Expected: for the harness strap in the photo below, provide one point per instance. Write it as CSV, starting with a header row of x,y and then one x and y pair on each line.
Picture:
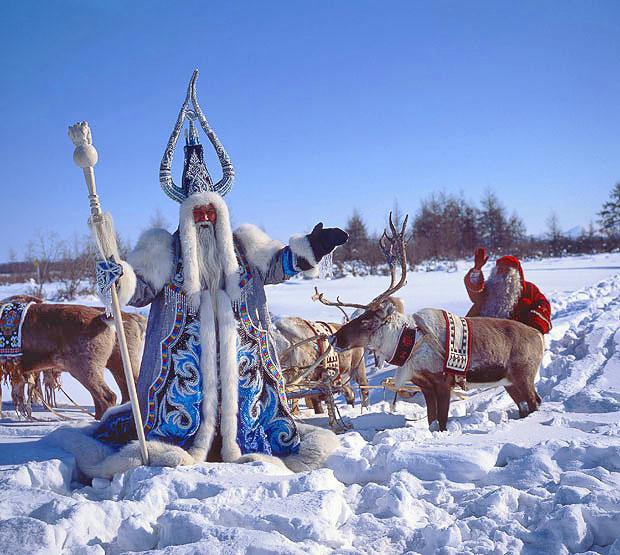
x,y
404,347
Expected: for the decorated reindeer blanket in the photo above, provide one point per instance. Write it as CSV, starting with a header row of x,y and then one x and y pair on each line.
x,y
12,316
458,344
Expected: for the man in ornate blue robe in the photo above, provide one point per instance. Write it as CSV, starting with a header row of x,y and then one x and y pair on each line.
x,y
210,385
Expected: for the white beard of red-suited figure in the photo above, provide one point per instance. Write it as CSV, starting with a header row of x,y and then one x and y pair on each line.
x,y
503,291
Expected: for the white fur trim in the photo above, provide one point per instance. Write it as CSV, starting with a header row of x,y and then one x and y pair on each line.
x,y
316,445
97,460
126,284
258,246
115,410
229,377
261,457
153,257
224,241
300,245
208,366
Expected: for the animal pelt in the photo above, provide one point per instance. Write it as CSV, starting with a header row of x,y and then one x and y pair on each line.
x,y
98,460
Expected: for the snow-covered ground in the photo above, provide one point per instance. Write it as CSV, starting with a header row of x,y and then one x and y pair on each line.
x,y
492,483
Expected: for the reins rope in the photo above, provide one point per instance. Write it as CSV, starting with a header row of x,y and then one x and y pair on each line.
x,y
76,405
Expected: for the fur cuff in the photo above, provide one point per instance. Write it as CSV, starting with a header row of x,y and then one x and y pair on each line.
x,y
300,245
126,284
153,257
259,248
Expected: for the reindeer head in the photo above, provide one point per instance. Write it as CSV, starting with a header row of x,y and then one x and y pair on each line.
x,y
359,332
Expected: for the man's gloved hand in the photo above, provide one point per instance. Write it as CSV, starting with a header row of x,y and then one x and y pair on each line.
x,y
480,258
108,272
325,240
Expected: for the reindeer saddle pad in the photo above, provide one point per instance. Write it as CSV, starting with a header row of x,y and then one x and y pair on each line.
x,y
321,328
12,316
458,344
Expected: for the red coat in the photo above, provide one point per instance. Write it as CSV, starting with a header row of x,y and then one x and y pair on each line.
x,y
532,308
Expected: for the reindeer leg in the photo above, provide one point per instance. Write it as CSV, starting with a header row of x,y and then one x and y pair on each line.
x,y
317,405
92,380
519,398
431,404
443,391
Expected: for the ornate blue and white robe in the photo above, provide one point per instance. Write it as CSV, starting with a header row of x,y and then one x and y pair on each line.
x,y
207,371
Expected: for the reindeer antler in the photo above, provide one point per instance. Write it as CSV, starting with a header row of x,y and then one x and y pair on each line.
x,y
394,249
338,303
393,246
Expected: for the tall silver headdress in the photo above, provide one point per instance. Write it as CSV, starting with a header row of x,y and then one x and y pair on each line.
x,y
196,177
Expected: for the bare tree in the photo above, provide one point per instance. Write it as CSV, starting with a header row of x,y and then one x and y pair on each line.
x,y
75,269
43,252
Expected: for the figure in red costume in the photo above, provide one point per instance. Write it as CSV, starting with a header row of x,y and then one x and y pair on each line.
x,y
506,294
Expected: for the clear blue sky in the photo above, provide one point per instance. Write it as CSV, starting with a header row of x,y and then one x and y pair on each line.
x,y
323,107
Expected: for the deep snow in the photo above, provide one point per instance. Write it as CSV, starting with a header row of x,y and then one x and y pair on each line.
x,y
492,483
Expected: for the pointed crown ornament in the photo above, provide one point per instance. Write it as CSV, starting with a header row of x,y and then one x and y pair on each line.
x,y
196,177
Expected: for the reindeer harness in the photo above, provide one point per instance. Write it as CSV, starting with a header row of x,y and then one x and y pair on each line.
x,y
323,330
456,347
12,316
404,347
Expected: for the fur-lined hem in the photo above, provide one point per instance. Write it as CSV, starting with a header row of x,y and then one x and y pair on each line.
x,y
97,460
316,444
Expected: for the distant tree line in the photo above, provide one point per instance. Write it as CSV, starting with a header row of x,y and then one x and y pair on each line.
x,y
49,259
448,227
444,228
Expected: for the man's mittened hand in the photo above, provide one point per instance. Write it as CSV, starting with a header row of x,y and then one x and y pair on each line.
x,y
480,258
325,240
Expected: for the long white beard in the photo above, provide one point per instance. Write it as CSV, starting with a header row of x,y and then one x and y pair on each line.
x,y
502,294
209,264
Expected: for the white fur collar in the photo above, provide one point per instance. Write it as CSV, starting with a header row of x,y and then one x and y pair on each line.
x,y
225,245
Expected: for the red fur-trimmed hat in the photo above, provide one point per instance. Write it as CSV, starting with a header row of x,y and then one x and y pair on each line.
x,y
512,262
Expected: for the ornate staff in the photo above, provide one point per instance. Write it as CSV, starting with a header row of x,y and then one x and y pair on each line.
x,y
85,156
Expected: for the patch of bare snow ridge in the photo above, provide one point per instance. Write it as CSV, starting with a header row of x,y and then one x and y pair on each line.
x,y
492,483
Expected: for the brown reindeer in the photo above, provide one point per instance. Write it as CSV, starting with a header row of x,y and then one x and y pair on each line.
x,y
503,352
80,340
289,331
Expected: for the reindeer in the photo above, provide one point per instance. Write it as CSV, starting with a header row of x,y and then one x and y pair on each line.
x,y
76,339
503,352
289,331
